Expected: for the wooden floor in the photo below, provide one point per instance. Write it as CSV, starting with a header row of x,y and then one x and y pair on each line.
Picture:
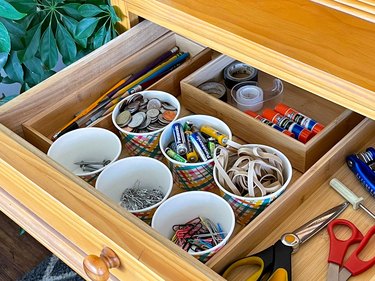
x,y
19,254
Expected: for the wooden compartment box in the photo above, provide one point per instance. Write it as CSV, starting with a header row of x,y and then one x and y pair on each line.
x,y
337,120
74,220
40,129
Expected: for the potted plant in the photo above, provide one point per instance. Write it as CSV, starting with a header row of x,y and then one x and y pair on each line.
x,y
36,34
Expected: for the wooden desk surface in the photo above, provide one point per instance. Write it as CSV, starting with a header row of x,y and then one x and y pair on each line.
x,y
324,51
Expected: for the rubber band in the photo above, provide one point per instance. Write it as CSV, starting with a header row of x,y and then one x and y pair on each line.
x,y
251,172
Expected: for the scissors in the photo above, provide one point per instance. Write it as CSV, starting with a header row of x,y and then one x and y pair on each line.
x,y
337,250
275,261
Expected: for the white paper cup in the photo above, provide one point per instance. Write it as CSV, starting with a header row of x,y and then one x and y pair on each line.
x,y
193,176
126,172
145,144
186,206
248,208
85,144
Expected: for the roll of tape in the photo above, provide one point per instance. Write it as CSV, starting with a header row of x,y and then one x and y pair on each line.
x,y
214,89
238,72
248,96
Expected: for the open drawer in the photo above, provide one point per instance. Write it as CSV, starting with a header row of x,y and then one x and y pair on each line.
x,y
70,217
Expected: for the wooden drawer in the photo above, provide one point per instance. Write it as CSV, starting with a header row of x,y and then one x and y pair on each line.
x,y
39,129
73,220
337,120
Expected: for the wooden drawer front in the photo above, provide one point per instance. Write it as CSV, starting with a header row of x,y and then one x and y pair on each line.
x,y
39,129
338,121
311,196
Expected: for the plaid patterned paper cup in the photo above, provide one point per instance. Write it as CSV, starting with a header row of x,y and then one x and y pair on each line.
x,y
128,172
193,176
145,144
248,208
85,144
186,206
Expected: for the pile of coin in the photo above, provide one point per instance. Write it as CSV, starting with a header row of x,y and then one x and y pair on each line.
x,y
141,115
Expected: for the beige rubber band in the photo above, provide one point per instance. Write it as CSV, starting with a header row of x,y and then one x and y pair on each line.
x,y
254,170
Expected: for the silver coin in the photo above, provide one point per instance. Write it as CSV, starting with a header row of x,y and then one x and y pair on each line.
x,y
144,102
168,106
162,121
123,118
153,113
145,123
154,103
135,97
137,120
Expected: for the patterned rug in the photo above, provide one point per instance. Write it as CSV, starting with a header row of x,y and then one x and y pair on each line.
x,y
51,269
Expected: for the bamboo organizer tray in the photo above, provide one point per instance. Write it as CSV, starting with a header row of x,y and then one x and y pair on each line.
x,y
338,121
39,129
311,196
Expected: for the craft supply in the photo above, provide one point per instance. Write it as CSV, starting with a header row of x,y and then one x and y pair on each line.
x,y
200,147
299,118
138,198
275,261
238,72
221,138
353,199
249,172
174,155
197,235
214,89
363,167
300,133
140,115
191,155
248,96
91,166
179,139
338,270
269,123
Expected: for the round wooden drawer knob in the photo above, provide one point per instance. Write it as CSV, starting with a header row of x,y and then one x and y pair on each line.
x,y
97,268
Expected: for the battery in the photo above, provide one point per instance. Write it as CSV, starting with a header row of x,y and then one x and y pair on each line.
x,y
221,138
191,155
174,155
200,147
179,138
211,146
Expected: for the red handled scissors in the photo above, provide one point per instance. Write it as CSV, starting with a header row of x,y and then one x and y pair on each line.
x,y
354,265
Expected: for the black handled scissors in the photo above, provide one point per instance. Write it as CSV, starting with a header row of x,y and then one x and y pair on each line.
x,y
275,261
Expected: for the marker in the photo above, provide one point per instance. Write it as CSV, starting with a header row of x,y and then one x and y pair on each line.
x,y
299,118
300,133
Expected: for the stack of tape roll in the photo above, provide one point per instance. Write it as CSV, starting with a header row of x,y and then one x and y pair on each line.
x,y
238,72
214,89
248,96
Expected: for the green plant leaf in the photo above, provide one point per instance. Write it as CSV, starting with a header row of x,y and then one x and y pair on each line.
x,y
9,12
72,10
7,80
108,36
35,65
114,17
89,10
13,68
70,24
33,44
4,39
66,44
82,42
99,37
32,78
25,87
16,33
86,27
3,59
24,6
48,48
